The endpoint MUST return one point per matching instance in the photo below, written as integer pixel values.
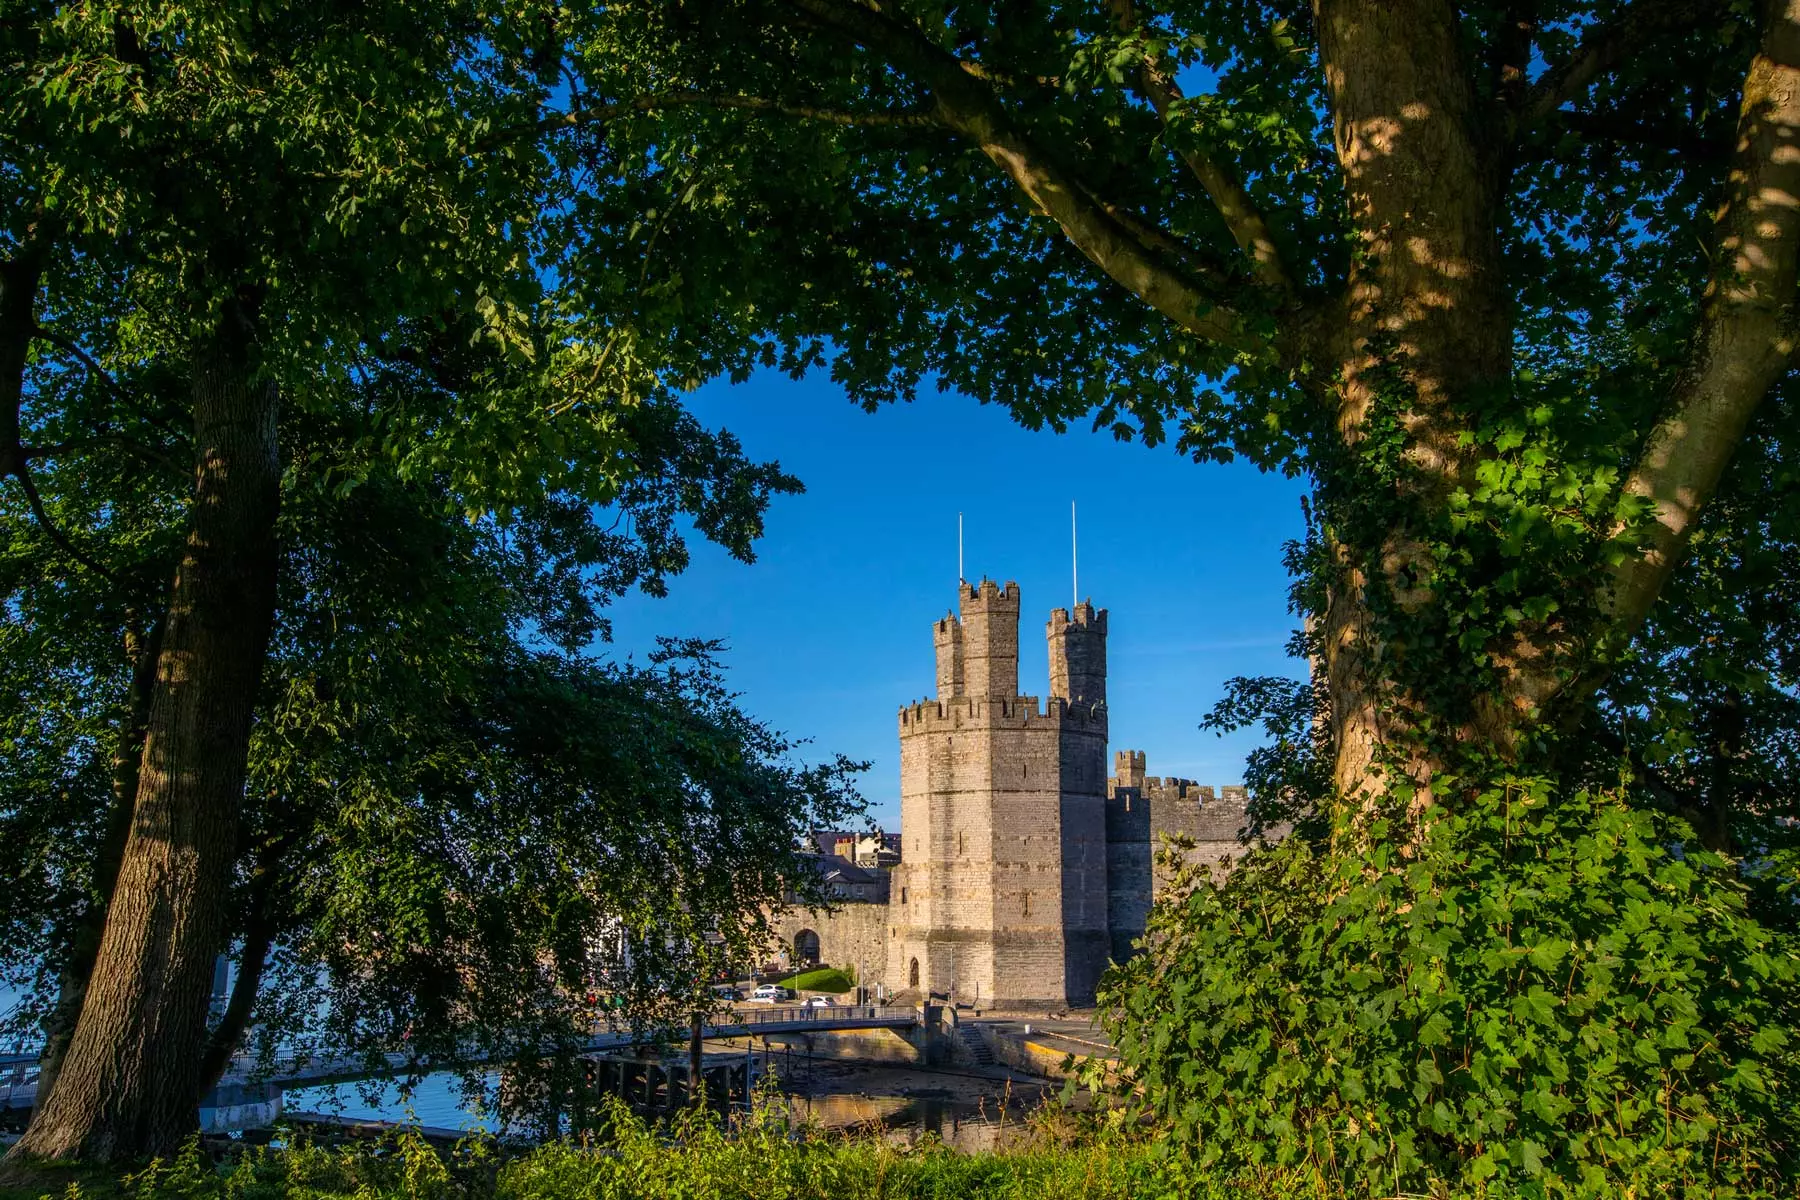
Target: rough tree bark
(83, 938)
(1424, 313)
(129, 1081)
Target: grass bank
(824, 979)
(764, 1158)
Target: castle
(1024, 867)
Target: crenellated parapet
(1146, 807)
(1020, 712)
(1143, 813)
(989, 614)
(1078, 653)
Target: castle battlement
(988, 594)
(1023, 867)
(990, 712)
(1086, 616)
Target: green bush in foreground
(1545, 996)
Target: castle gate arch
(806, 948)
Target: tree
(452, 805)
(240, 207)
(1464, 269)
(1512, 284)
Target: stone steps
(978, 1048)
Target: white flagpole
(959, 557)
(1074, 565)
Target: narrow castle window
(1027, 911)
(903, 895)
(959, 844)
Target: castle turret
(990, 636)
(947, 636)
(1078, 654)
(1128, 769)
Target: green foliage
(768, 1156)
(1546, 996)
(824, 979)
(463, 818)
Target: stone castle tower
(1001, 895)
(1023, 866)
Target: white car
(818, 1002)
(770, 993)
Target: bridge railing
(761, 1016)
(19, 1070)
(17, 1073)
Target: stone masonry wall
(990, 641)
(853, 933)
(1024, 868)
(978, 900)
(1142, 813)
(1077, 651)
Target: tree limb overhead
(968, 106)
(1746, 337)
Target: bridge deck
(18, 1086)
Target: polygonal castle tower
(1023, 866)
(1001, 894)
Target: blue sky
(828, 632)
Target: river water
(972, 1111)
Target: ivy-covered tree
(1513, 285)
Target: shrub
(1544, 997)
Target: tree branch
(1705, 153)
(1745, 339)
(18, 301)
(967, 105)
(658, 101)
(36, 503)
(70, 346)
(222, 1045)
(1239, 212)
(1604, 46)
(1510, 56)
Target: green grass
(643, 1164)
(822, 979)
(768, 1156)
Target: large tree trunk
(1425, 338)
(1424, 328)
(83, 939)
(129, 1082)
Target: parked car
(771, 993)
(819, 1002)
(728, 993)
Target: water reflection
(968, 1111)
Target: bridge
(244, 1079)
